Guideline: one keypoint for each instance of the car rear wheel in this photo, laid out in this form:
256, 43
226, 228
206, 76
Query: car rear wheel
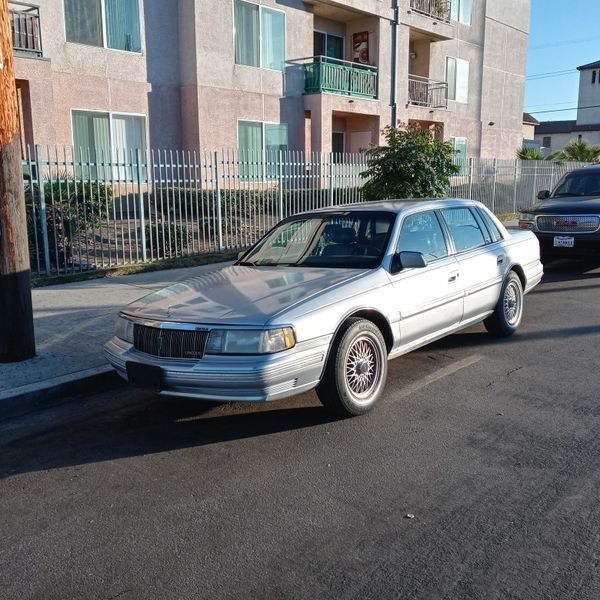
356, 370
506, 318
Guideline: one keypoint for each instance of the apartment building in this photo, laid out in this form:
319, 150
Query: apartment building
313, 75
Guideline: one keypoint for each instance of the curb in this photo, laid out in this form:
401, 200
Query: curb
60, 390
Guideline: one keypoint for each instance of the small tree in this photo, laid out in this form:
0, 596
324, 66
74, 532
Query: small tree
530, 154
413, 164
578, 151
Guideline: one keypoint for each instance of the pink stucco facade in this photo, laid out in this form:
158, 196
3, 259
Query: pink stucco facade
187, 85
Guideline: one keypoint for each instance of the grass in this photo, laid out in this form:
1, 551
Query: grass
160, 265
508, 217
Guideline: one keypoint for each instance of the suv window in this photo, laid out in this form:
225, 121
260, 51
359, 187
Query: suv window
464, 228
579, 184
422, 233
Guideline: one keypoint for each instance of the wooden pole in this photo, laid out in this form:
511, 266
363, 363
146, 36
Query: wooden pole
16, 313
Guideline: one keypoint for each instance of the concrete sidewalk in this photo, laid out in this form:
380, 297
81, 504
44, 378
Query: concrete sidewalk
72, 322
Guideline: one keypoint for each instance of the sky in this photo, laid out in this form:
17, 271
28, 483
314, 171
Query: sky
564, 35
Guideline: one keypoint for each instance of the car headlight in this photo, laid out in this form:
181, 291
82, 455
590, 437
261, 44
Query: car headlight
254, 341
526, 221
124, 329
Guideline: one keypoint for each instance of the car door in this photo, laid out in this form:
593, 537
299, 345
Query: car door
481, 259
429, 300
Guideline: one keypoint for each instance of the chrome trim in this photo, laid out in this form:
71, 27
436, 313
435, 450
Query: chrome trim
537, 217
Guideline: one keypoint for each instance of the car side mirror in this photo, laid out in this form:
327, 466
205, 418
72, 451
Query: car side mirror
407, 260
543, 195
240, 254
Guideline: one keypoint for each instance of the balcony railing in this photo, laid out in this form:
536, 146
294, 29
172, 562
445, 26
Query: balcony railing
437, 9
427, 92
324, 75
25, 28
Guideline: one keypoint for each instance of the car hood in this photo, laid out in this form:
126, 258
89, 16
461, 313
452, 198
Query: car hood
239, 295
573, 205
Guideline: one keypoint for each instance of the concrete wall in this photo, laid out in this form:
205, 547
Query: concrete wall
560, 140
589, 95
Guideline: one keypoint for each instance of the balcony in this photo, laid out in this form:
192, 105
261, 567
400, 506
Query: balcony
427, 92
25, 28
436, 9
324, 75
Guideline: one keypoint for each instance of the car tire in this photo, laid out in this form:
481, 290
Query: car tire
506, 318
356, 370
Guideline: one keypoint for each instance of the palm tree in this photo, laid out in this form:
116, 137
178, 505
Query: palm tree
578, 151
530, 154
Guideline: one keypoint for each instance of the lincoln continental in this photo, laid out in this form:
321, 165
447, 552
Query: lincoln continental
325, 299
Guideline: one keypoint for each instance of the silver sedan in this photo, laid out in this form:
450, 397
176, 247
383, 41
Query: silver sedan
325, 299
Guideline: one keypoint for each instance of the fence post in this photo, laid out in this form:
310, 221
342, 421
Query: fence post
42, 193
515, 186
218, 193
331, 179
471, 178
141, 212
494, 190
280, 176
535, 168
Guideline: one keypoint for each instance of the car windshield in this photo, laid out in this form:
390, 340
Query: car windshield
578, 184
338, 240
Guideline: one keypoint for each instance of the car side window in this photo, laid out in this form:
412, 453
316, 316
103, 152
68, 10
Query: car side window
492, 227
464, 228
422, 233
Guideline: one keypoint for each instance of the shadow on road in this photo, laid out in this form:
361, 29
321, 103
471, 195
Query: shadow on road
139, 425
571, 270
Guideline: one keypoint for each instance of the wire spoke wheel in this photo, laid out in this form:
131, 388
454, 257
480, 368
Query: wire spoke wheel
356, 370
363, 367
512, 303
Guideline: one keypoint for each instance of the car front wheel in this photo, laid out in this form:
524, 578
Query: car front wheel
506, 318
356, 370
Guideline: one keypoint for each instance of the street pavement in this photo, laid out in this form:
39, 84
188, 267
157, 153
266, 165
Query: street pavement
493, 446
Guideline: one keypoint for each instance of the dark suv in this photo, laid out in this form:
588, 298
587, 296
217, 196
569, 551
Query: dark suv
567, 221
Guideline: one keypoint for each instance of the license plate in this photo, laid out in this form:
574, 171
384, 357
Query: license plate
144, 376
561, 241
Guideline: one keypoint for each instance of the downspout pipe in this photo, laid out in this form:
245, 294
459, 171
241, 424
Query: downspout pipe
394, 74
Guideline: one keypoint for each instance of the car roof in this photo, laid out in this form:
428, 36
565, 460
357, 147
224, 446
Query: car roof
398, 206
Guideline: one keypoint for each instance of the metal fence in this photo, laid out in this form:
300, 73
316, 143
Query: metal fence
89, 211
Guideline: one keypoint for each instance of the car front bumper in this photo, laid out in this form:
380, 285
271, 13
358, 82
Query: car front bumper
231, 378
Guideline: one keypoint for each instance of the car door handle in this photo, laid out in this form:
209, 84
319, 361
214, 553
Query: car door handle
500, 259
453, 277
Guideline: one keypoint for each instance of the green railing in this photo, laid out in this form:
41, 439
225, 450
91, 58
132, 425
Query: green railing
324, 75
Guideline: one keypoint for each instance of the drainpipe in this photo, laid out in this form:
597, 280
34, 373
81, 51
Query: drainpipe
393, 99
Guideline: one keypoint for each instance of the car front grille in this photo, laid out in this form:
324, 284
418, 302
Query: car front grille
568, 223
170, 343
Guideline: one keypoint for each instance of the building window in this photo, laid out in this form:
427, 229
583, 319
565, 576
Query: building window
461, 11
109, 23
327, 44
102, 137
259, 145
460, 146
593, 77
457, 76
259, 36
547, 141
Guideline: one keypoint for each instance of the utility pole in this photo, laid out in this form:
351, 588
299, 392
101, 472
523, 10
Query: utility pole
16, 314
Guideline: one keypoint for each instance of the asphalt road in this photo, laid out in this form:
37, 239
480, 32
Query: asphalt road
492, 445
